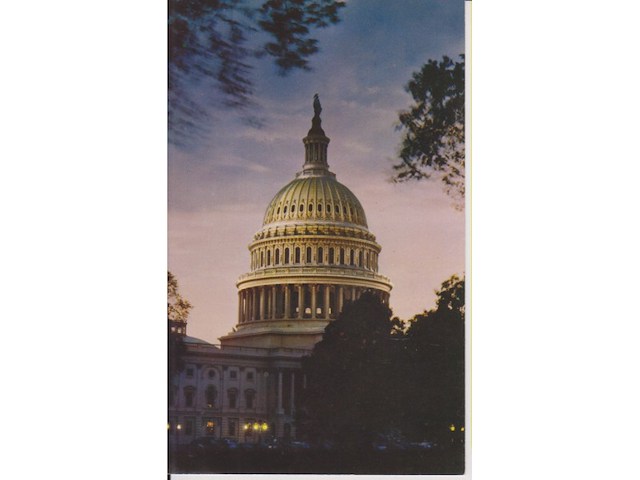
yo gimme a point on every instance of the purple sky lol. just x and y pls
(219, 190)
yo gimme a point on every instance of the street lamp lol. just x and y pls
(178, 428)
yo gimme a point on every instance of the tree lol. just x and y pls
(436, 346)
(350, 395)
(434, 140)
(177, 307)
(177, 313)
(212, 44)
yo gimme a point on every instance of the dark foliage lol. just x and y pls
(370, 379)
(433, 128)
(212, 44)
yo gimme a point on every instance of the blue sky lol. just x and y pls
(219, 189)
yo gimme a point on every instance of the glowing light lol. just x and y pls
(462, 429)
(265, 427)
(452, 427)
(256, 426)
(246, 426)
(179, 427)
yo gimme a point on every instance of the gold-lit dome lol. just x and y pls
(313, 254)
(317, 199)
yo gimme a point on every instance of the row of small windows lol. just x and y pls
(233, 374)
(334, 256)
(211, 396)
(318, 209)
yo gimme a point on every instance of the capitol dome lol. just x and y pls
(313, 254)
(315, 199)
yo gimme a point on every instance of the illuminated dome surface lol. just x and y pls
(315, 198)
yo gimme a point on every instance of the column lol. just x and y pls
(249, 308)
(261, 303)
(313, 301)
(239, 306)
(300, 300)
(327, 298)
(353, 294)
(279, 404)
(287, 301)
(272, 314)
(340, 299)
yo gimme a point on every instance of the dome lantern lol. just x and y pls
(315, 144)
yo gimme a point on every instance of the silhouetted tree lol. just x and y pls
(436, 347)
(177, 313)
(212, 44)
(350, 395)
(370, 377)
(434, 140)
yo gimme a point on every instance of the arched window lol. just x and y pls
(330, 256)
(360, 263)
(301, 207)
(341, 256)
(328, 208)
(311, 207)
(286, 256)
(297, 254)
(249, 398)
(210, 396)
(285, 210)
(262, 258)
(277, 256)
(319, 207)
(352, 258)
(308, 254)
(320, 255)
(268, 257)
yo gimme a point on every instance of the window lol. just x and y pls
(311, 207)
(360, 264)
(268, 257)
(233, 398)
(331, 255)
(189, 372)
(320, 255)
(285, 210)
(188, 426)
(250, 376)
(210, 396)
(286, 256)
(301, 207)
(262, 259)
(319, 207)
(232, 427)
(328, 208)
(188, 396)
(233, 374)
(249, 398)
(277, 256)
(308, 254)
(211, 374)
(342, 256)
(209, 426)
(297, 254)
(351, 258)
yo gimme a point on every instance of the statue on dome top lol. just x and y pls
(317, 108)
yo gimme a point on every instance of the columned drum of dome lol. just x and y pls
(313, 254)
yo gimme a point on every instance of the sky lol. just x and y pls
(219, 189)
